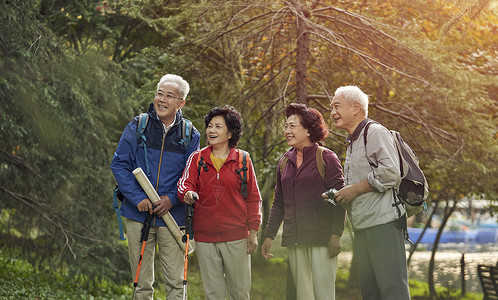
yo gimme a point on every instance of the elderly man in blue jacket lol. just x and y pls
(165, 158)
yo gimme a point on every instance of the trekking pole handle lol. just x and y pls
(189, 212)
(190, 209)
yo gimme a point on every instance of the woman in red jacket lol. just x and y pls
(312, 228)
(225, 221)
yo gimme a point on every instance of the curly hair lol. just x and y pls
(233, 119)
(310, 119)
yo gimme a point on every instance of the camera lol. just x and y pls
(331, 196)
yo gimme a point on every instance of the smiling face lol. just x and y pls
(297, 136)
(167, 102)
(217, 132)
(344, 113)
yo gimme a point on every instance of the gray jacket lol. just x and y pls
(374, 207)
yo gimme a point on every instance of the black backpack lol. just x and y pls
(413, 189)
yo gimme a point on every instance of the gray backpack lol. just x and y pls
(413, 189)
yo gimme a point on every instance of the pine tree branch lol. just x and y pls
(18, 161)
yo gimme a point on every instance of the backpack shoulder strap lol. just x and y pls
(242, 171)
(365, 133)
(320, 163)
(398, 140)
(282, 163)
(186, 132)
(116, 195)
(201, 164)
(143, 119)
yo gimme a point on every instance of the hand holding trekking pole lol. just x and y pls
(189, 234)
(190, 197)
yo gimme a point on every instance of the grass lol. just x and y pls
(20, 280)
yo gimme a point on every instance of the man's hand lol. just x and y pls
(252, 241)
(145, 205)
(162, 206)
(350, 192)
(334, 246)
(265, 248)
(346, 194)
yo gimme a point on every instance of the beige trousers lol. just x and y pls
(313, 271)
(171, 259)
(225, 266)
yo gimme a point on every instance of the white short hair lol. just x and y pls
(352, 94)
(183, 87)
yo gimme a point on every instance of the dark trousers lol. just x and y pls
(381, 255)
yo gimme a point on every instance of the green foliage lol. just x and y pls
(21, 281)
(59, 113)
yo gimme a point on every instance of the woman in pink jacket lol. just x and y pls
(226, 212)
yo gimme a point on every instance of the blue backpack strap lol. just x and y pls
(143, 119)
(186, 132)
(115, 206)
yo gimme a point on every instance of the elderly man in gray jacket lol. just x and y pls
(370, 200)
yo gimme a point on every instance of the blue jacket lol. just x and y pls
(172, 159)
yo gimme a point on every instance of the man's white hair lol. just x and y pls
(352, 94)
(183, 87)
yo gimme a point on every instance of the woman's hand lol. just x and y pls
(334, 246)
(190, 197)
(265, 248)
(252, 241)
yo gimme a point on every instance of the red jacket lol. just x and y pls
(221, 213)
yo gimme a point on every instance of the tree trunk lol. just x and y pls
(448, 211)
(417, 242)
(302, 50)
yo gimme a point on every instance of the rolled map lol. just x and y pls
(168, 219)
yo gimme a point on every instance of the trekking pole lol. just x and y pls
(143, 239)
(189, 211)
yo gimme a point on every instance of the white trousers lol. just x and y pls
(313, 272)
(225, 266)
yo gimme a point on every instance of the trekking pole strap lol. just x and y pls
(115, 206)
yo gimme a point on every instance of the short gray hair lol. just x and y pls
(183, 87)
(352, 94)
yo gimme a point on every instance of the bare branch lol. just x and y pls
(21, 163)
(49, 214)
